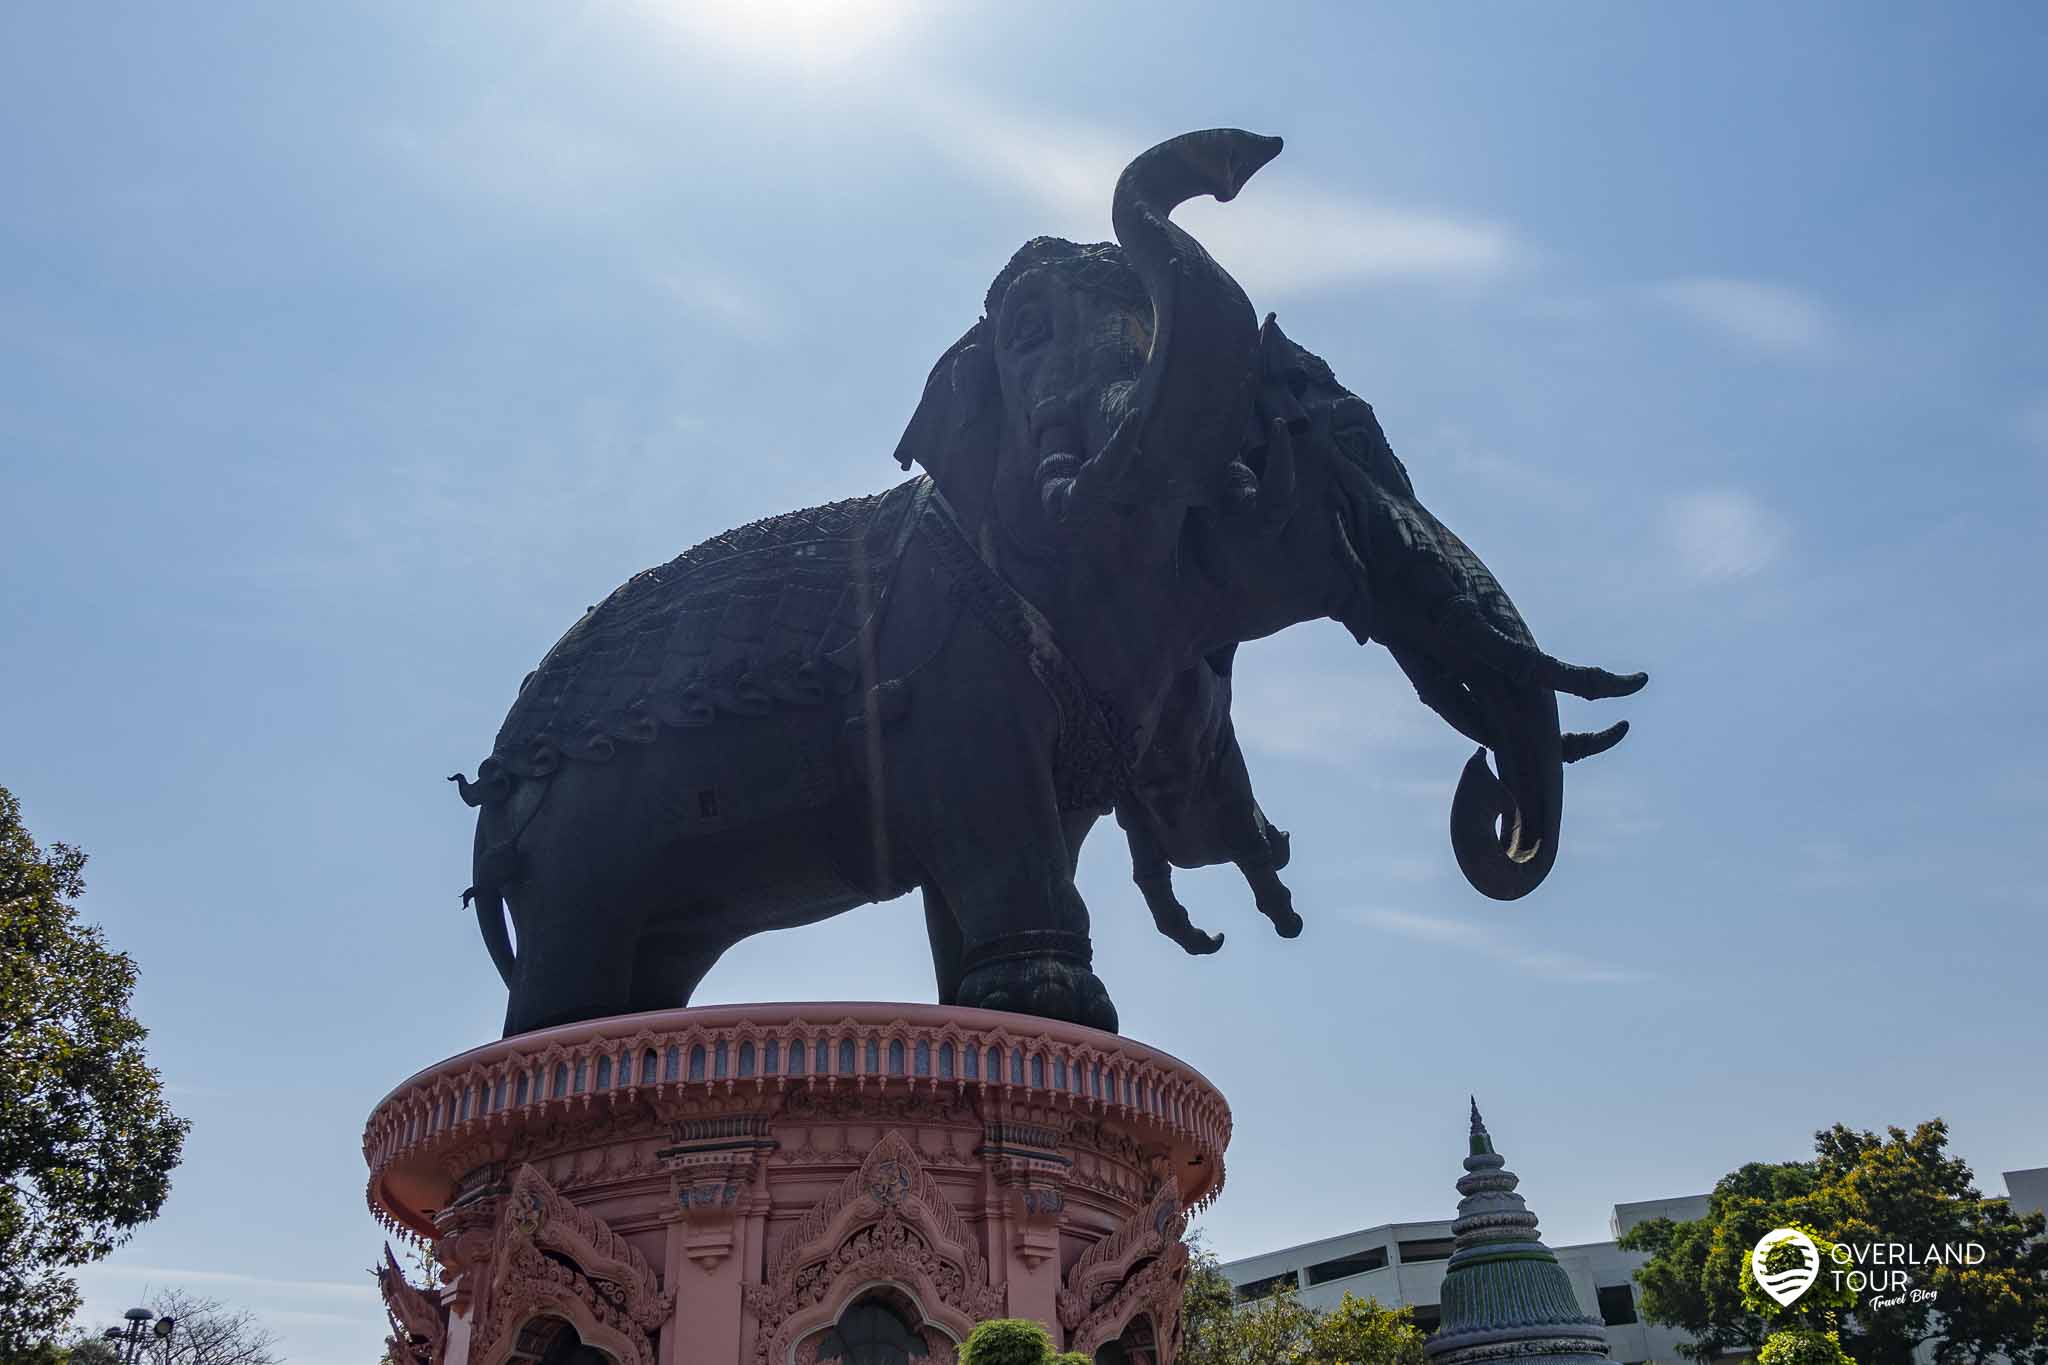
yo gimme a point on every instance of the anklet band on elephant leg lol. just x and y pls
(1062, 944)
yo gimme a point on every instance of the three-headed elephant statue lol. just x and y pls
(945, 685)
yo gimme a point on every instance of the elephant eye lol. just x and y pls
(1031, 326)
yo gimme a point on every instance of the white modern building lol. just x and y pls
(1403, 1264)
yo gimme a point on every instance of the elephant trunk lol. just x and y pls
(1182, 422)
(1504, 829)
(1458, 636)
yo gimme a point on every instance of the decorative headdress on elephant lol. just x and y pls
(1172, 336)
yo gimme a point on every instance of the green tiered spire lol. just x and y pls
(1505, 1297)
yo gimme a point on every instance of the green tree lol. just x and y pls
(1007, 1341)
(1279, 1329)
(1803, 1346)
(87, 1141)
(1859, 1190)
(87, 1351)
(1365, 1332)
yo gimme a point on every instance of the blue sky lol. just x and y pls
(348, 352)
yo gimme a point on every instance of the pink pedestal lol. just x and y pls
(721, 1185)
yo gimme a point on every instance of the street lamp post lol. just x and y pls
(128, 1340)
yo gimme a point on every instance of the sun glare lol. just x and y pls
(814, 35)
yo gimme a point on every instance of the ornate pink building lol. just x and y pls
(773, 1184)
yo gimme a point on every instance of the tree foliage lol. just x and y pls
(1803, 1346)
(87, 1141)
(1281, 1330)
(1860, 1190)
(1007, 1341)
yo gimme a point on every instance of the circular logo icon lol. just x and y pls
(1785, 1263)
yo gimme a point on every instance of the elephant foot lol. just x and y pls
(1050, 986)
(1273, 898)
(1286, 923)
(1170, 917)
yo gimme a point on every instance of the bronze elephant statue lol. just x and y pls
(944, 686)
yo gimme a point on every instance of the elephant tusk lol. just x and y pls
(1578, 744)
(1520, 661)
(1069, 499)
(1593, 684)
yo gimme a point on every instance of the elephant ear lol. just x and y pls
(951, 433)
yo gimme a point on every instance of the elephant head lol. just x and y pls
(1407, 580)
(1101, 375)
(1136, 376)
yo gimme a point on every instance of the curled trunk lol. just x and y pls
(1187, 411)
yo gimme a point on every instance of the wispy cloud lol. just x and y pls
(1721, 535)
(1486, 942)
(725, 300)
(1771, 317)
(1281, 237)
(171, 1275)
(1328, 717)
(545, 170)
(551, 169)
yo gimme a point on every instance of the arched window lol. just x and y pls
(647, 1066)
(923, 1057)
(604, 1073)
(697, 1062)
(895, 1057)
(946, 1061)
(874, 1054)
(718, 1058)
(872, 1332)
(846, 1056)
(746, 1060)
(561, 1081)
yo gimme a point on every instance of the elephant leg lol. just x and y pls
(1154, 877)
(944, 931)
(1000, 859)
(1274, 900)
(668, 965)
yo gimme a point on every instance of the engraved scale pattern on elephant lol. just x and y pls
(772, 615)
(769, 614)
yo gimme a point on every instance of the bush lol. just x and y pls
(1803, 1346)
(1007, 1341)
